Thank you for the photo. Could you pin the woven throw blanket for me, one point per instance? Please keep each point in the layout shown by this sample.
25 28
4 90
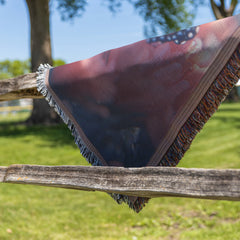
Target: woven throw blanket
142 104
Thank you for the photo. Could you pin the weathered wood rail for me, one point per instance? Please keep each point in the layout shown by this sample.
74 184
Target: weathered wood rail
24 86
147 182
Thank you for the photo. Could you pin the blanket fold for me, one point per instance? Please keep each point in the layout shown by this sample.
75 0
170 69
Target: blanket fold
142 104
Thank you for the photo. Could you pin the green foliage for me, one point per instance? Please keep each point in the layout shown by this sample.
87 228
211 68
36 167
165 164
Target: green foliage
9 69
4 75
113 5
34 212
71 8
166 15
13 68
58 62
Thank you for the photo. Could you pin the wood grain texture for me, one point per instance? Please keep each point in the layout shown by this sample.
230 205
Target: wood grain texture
146 182
24 86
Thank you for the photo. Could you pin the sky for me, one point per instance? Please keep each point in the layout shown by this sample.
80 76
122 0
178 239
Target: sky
96 31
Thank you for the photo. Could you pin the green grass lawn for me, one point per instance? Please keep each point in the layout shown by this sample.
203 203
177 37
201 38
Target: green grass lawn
34 212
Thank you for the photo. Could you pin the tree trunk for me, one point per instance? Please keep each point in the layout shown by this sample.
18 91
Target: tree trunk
220 11
40 53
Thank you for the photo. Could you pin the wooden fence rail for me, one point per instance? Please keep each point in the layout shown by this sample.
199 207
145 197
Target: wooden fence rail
146 182
24 86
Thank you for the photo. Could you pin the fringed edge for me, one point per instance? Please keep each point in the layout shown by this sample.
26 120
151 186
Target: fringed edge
90 156
217 92
42 88
137 206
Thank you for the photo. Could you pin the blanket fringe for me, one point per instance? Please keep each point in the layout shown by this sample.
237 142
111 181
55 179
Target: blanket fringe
137 206
41 87
217 92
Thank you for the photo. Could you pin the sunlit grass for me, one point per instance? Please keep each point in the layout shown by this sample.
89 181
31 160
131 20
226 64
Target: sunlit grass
33 212
217 145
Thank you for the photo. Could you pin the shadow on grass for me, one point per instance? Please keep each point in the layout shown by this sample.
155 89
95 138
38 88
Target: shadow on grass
56 135
233 109
59 135
229 114
233 120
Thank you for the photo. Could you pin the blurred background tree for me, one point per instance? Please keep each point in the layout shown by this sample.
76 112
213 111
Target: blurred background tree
164 15
222 9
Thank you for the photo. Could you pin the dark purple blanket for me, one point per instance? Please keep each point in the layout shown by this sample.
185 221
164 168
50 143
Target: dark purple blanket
142 104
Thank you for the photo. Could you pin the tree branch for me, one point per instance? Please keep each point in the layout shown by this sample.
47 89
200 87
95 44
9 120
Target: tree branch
220 11
233 6
24 86
216 10
146 182
223 4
